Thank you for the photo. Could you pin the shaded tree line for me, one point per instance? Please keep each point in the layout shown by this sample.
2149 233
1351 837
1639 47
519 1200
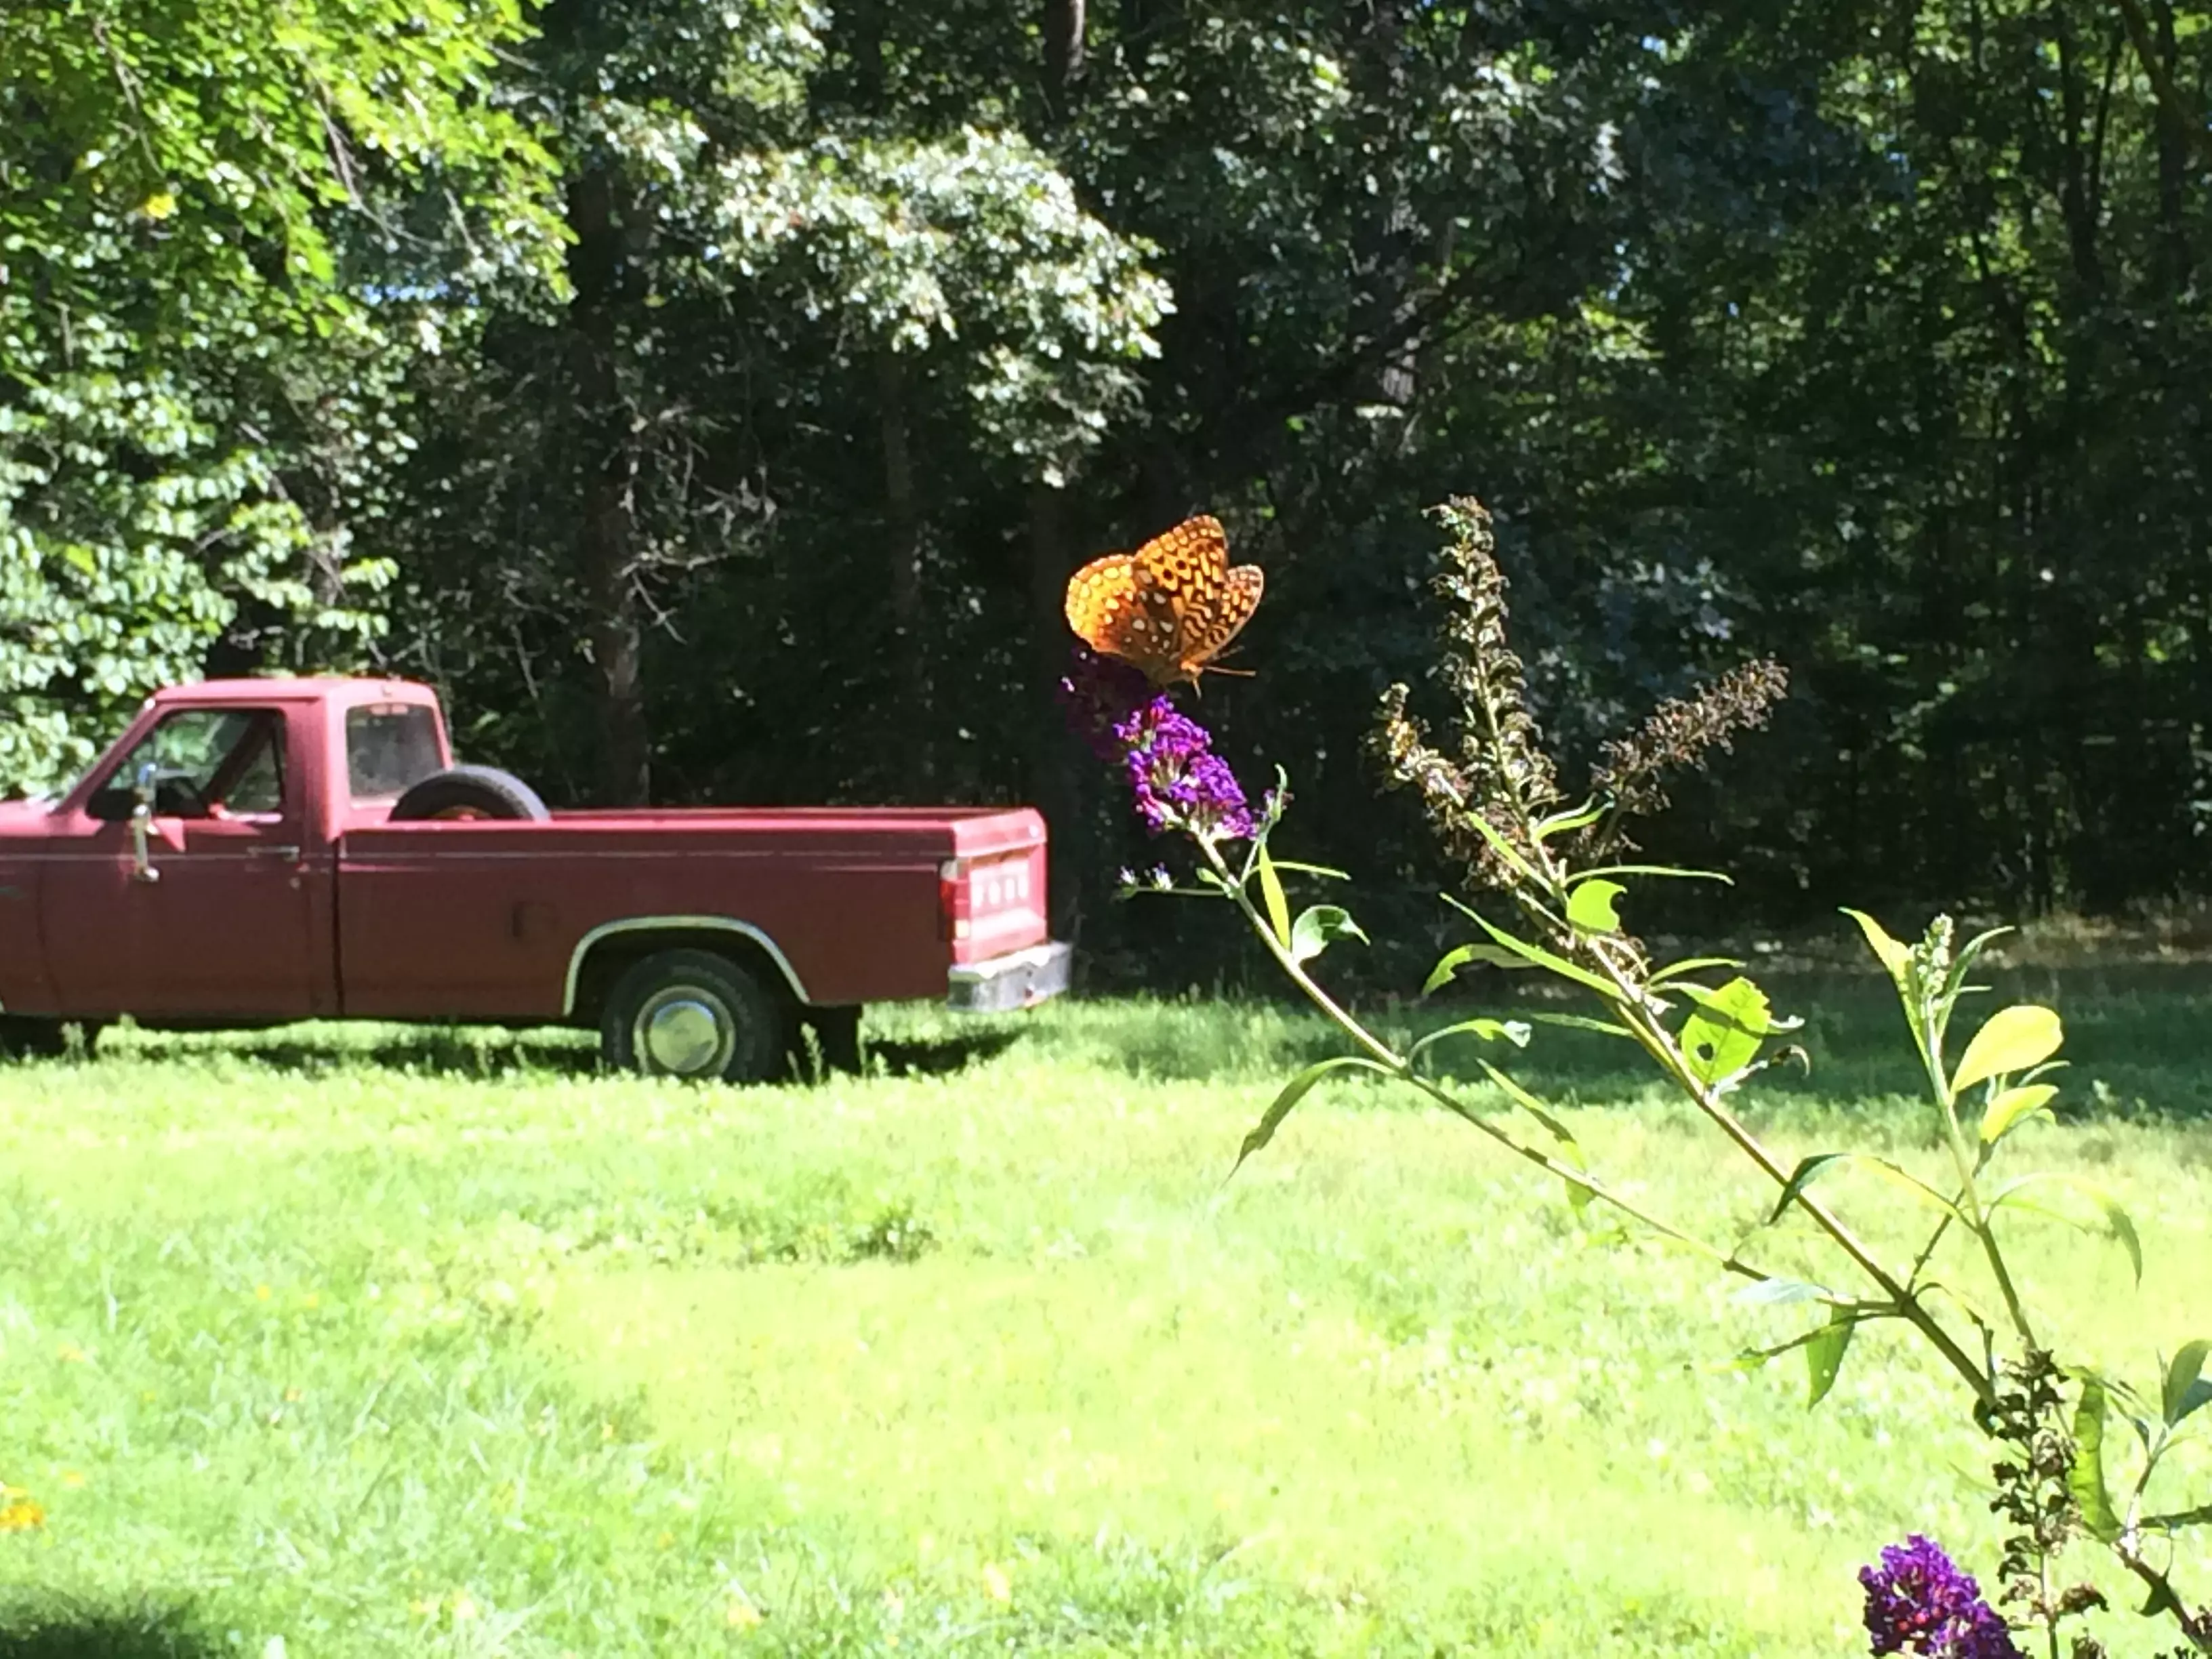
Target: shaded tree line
713 398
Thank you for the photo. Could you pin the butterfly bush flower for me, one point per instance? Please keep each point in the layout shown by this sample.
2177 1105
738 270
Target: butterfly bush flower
1167 757
1918 1601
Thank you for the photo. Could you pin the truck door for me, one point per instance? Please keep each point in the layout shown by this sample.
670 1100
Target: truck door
225 928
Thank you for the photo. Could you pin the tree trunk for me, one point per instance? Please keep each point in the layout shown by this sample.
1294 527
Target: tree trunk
607 539
1063 54
1053 778
1386 243
902 549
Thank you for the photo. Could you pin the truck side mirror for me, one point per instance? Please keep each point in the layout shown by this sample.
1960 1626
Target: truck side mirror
141 816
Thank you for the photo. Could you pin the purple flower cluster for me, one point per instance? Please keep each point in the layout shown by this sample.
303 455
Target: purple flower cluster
1180 783
1919 1603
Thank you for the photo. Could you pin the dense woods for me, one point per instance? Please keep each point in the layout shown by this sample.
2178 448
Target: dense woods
711 397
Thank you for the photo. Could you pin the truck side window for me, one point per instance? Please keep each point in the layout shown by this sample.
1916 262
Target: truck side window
207 763
390 748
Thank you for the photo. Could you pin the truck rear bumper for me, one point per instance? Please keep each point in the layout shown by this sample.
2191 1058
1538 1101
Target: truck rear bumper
1020 979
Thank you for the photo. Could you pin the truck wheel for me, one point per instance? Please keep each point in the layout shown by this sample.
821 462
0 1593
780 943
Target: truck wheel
470 791
693 1014
23 1038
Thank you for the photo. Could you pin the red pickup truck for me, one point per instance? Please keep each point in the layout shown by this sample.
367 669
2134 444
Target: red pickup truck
256 851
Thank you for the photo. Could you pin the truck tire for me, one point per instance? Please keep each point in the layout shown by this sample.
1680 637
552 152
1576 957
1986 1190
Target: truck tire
470 791
23 1038
693 1014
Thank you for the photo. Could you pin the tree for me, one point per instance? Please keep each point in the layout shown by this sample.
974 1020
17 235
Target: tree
202 205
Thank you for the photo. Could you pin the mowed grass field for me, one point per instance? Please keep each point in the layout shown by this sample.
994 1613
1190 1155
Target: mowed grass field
348 1342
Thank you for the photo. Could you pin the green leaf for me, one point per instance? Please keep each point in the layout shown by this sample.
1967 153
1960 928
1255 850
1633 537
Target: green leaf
1823 1356
1294 1091
1316 927
2116 1219
1691 965
1674 871
1582 1022
1810 1169
1777 1292
1504 849
1271 894
2010 1107
2011 1040
1543 959
1514 1031
1575 818
1591 907
1302 869
1459 956
1894 956
1727 1004
1537 1109
1723 1037
2187 1388
2086 1481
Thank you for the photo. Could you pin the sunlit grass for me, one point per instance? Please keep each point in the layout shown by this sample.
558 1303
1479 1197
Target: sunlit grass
388 1342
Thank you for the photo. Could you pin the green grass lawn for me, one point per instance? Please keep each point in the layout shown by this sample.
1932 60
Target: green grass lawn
372 1342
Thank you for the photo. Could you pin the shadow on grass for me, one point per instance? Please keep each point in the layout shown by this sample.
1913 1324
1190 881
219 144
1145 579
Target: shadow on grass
438 1050
2138 1040
63 1631
940 1056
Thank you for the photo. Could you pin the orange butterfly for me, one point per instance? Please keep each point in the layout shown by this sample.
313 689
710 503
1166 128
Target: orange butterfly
1170 606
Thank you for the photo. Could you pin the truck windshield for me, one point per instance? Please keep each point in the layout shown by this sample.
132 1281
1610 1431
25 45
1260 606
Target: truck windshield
390 748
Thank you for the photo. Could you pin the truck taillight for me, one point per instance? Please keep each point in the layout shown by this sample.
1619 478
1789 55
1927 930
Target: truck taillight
952 912
973 893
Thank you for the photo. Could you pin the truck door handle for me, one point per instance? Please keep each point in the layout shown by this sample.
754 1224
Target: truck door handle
289 854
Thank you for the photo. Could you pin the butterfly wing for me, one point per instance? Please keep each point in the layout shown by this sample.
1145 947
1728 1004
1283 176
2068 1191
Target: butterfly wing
1170 606
1233 607
1115 611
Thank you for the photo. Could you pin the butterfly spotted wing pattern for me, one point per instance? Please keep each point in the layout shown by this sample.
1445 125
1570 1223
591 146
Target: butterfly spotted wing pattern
1171 607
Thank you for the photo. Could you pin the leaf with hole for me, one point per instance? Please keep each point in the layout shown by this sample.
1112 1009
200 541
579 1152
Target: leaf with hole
2015 1039
1591 907
1723 1037
1311 933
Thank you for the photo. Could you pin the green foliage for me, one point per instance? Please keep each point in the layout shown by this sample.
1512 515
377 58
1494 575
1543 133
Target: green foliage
196 374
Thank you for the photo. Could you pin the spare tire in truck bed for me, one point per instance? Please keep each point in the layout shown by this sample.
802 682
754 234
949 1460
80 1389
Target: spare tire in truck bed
470 791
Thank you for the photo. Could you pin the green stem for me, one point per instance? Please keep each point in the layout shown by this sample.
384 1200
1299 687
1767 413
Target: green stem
1402 1068
1657 1042
1928 1036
